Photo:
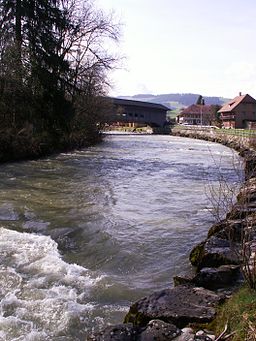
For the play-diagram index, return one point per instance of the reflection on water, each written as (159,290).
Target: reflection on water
(86,233)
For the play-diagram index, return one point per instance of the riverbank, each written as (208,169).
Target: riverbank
(26,145)
(165,315)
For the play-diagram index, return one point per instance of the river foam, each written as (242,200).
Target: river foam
(37,285)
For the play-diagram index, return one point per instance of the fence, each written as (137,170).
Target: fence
(249,133)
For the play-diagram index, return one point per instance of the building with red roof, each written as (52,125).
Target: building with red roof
(197,114)
(239,113)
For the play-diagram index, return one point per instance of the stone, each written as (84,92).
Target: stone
(242,211)
(196,254)
(183,280)
(180,306)
(228,229)
(160,331)
(202,338)
(216,228)
(225,276)
(216,252)
(120,332)
(187,334)
(216,278)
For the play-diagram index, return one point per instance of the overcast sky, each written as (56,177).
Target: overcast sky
(178,46)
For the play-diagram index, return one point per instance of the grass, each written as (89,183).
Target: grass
(240,314)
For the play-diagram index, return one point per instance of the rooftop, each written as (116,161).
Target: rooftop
(231,105)
(128,102)
(196,109)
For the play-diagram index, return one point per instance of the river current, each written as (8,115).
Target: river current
(84,234)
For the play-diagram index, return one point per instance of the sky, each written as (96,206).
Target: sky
(206,47)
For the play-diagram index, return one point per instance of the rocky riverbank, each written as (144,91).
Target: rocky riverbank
(166,314)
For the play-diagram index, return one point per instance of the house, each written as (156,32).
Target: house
(136,113)
(197,114)
(239,113)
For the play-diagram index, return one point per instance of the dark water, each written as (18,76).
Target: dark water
(84,234)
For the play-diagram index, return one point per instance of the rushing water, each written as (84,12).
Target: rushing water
(86,233)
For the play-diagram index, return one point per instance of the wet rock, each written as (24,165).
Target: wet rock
(183,280)
(216,278)
(228,229)
(65,237)
(216,228)
(213,278)
(160,331)
(215,252)
(179,305)
(120,332)
(196,254)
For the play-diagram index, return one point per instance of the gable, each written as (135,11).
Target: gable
(231,105)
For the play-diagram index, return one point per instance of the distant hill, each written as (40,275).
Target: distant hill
(176,101)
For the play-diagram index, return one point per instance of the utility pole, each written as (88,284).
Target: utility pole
(201,111)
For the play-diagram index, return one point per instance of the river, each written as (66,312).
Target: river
(86,233)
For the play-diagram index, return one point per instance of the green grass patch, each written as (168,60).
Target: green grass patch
(240,314)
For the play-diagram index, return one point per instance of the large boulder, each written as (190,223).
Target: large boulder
(215,252)
(231,230)
(225,276)
(180,306)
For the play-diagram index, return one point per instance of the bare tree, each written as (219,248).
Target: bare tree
(54,56)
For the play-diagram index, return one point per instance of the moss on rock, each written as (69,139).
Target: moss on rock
(197,254)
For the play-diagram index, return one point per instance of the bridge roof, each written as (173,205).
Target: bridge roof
(128,102)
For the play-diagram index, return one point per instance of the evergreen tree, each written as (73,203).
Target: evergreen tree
(52,63)
(199,100)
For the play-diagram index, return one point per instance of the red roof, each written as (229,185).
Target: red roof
(231,105)
(196,109)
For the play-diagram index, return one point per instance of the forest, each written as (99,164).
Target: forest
(53,75)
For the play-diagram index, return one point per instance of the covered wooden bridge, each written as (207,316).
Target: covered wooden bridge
(124,112)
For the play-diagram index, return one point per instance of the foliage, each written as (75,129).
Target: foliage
(200,100)
(53,65)
(216,121)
